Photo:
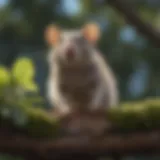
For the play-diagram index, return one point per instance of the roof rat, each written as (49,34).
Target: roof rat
(79,76)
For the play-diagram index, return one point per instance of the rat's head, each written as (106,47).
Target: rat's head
(72,47)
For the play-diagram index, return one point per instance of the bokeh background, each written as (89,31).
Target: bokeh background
(133,58)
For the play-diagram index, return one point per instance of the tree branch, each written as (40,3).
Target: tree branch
(61,148)
(28,141)
(131,16)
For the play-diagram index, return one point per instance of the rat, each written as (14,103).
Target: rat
(79,76)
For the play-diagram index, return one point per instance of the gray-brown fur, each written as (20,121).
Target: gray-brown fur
(86,83)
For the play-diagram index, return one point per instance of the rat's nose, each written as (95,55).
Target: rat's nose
(70,53)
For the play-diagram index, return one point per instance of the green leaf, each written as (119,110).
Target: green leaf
(23,74)
(23,69)
(33,101)
(4,77)
(29,85)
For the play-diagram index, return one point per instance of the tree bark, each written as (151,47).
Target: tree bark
(110,145)
(132,18)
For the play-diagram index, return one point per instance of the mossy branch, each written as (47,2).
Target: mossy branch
(41,136)
(128,117)
(61,148)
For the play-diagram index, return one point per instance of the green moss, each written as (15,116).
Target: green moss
(128,116)
(136,115)
(40,123)
(153,113)
(35,121)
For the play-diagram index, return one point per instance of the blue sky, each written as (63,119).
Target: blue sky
(3,2)
(71,6)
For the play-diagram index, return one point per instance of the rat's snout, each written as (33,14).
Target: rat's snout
(70,52)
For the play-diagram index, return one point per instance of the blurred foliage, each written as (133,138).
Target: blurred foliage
(24,23)
(17,84)
(19,99)
(23,74)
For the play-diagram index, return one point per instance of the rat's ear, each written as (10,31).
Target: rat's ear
(91,32)
(52,35)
